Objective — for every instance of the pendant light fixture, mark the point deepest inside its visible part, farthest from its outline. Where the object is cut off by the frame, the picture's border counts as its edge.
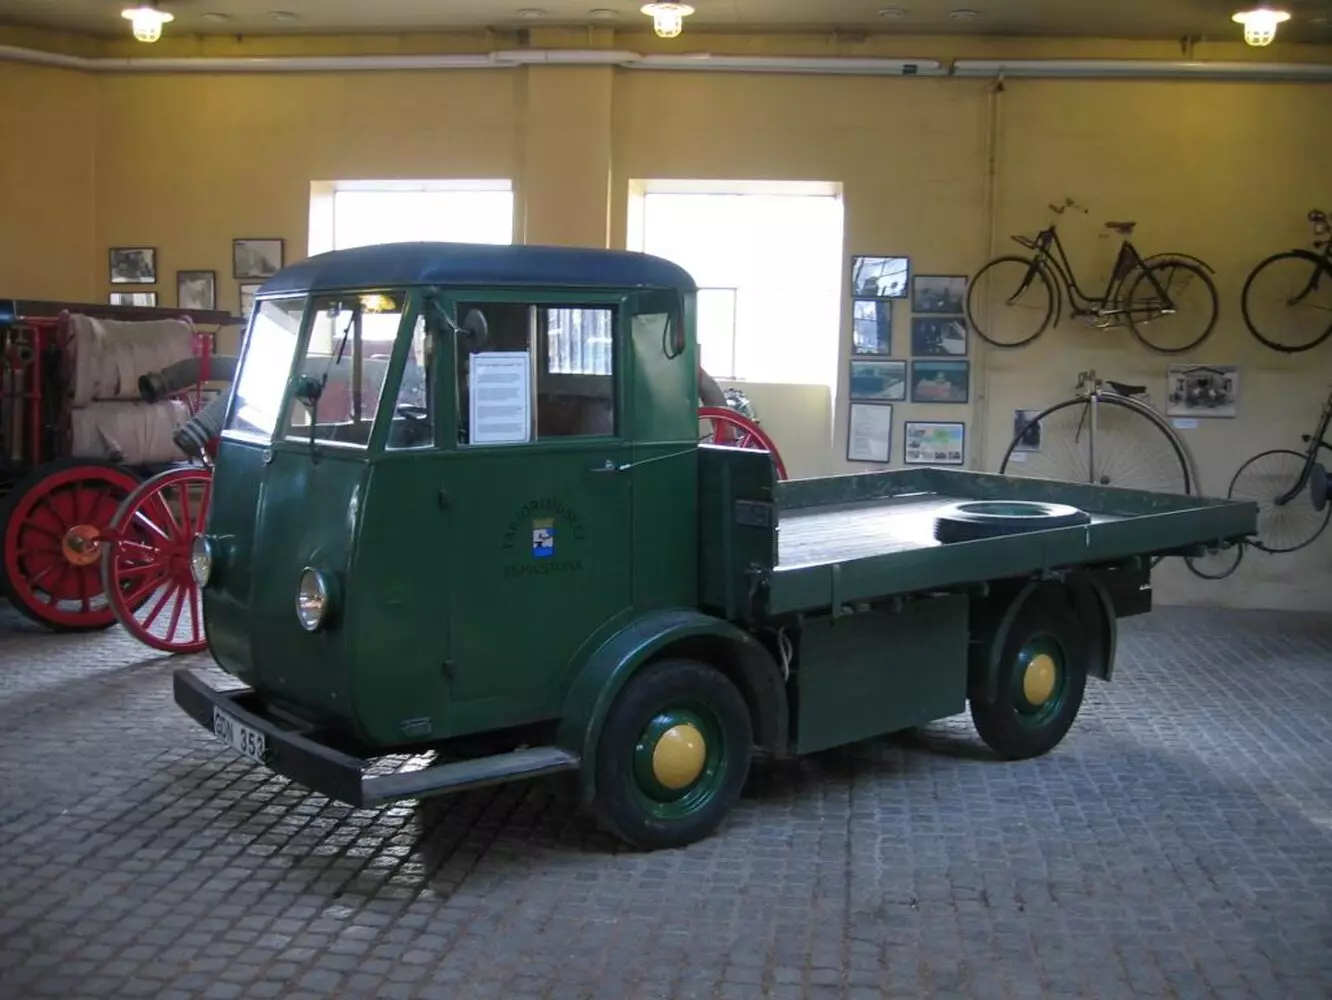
(1260, 24)
(146, 20)
(667, 18)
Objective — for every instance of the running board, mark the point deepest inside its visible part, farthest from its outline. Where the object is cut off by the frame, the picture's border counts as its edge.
(457, 776)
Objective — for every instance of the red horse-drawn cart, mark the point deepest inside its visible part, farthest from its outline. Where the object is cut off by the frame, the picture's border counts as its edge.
(105, 472)
(98, 496)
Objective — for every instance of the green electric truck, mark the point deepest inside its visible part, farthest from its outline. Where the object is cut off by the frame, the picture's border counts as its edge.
(461, 517)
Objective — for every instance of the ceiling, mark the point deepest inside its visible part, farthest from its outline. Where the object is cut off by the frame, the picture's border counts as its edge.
(1167, 19)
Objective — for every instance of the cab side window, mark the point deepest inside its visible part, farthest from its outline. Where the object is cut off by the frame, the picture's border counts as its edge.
(413, 416)
(541, 371)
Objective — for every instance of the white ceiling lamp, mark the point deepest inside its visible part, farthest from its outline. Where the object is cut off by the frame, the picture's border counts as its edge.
(1260, 24)
(667, 18)
(146, 21)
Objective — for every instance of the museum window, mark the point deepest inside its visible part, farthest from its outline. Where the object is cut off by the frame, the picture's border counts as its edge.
(767, 257)
(543, 371)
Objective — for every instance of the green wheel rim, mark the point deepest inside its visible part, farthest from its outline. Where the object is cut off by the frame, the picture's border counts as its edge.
(1040, 666)
(669, 803)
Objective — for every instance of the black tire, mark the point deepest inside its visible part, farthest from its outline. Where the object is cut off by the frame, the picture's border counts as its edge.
(1318, 486)
(1158, 269)
(972, 519)
(625, 802)
(1043, 419)
(1249, 483)
(1319, 269)
(1038, 275)
(1218, 563)
(1011, 726)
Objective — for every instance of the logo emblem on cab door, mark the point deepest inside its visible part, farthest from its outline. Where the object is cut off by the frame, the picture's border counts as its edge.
(543, 538)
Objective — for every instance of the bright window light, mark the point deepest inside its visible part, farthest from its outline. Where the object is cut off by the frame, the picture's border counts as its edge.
(368, 212)
(768, 266)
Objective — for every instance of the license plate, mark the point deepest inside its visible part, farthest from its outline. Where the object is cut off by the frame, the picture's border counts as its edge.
(238, 736)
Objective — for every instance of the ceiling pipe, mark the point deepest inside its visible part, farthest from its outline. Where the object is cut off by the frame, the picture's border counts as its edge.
(1143, 69)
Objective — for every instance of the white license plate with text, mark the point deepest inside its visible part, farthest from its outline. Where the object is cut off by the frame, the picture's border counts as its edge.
(238, 736)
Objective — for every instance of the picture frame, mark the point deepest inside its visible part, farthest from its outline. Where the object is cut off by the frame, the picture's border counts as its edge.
(1202, 390)
(875, 381)
(196, 290)
(934, 442)
(256, 257)
(939, 336)
(1028, 441)
(940, 380)
(939, 294)
(132, 265)
(869, 433)
(140, 299)
(871, 328)
(246, 294)
(880, 277)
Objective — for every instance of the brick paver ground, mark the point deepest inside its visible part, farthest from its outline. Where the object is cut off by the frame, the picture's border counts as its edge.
(1179, 844)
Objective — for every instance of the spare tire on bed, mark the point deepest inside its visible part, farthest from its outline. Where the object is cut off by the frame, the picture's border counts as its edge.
(971, 519)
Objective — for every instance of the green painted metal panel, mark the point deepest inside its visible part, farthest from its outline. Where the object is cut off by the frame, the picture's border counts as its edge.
(737, 521)
(861, 675)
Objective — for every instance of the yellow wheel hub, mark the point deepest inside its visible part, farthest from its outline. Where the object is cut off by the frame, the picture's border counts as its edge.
(1038, 683)
(678, 757)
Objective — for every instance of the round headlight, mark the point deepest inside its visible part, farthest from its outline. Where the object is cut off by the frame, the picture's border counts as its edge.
(201, 560)
(311, 599)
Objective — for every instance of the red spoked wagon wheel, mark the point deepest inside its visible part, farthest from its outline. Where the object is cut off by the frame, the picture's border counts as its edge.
(727, 427)
(54, 526)
(147, 570)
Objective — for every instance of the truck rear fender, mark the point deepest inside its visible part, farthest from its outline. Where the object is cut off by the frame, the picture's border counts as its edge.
(678, 632)
(993, 616)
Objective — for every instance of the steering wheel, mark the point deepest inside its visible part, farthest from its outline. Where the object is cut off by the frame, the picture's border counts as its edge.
(413, 412)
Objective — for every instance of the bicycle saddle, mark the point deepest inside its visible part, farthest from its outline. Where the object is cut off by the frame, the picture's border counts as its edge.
(1123, 228)
(1124, 389)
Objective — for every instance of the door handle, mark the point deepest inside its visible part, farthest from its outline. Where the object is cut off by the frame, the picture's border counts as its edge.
(608, 466)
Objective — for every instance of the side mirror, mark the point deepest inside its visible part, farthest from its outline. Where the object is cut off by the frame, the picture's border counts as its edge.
(308, 390)
(475, 326)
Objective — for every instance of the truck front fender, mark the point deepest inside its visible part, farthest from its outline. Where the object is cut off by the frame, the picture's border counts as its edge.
(675, 632)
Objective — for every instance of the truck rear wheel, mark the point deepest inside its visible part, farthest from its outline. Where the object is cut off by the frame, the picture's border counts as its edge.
(1041, 676)
(673, 755)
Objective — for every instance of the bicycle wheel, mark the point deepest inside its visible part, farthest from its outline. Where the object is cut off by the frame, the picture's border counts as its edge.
(1264, 478)
(1218, 563)
(1192, 299)
(1287, 301)
(1016, 298)
(1130, 448)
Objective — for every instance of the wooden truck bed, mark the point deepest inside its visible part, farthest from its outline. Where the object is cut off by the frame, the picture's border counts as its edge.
(770, 549)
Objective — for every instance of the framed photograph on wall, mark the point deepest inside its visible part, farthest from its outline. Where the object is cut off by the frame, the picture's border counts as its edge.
(247, 294)
(869, 435)
(943, 294)
(879, 277)
(941, 336)
(942, 381)
(1202, 390)
(133, 265)
(878, 381)
(196, 289)
(934, 442)
(256, 258)
(871, 328)
(148, 299)
(1026, 434)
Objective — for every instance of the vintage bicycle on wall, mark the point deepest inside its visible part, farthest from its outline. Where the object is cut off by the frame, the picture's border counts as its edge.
(1168, 301)
(1287, 298)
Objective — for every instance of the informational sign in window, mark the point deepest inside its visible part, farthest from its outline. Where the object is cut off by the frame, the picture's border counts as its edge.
(499, 398)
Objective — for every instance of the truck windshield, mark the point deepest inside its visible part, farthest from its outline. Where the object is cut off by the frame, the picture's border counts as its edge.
(350, 345)
(264, 369)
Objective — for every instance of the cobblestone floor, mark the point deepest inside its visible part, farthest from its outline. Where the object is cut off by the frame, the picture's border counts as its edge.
(1179, 844)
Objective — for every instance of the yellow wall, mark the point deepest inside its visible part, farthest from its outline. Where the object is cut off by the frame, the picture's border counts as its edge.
(187, 162)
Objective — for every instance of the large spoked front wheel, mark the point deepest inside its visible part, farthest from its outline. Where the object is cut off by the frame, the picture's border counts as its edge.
(1171, 305)
(1218, 562)
(723, 425)
(147, 570)
(1287, 301)
(1103, 441)
(1265, 479)
(1011, 301)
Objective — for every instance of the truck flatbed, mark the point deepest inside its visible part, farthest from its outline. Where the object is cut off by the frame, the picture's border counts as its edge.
(812, 544)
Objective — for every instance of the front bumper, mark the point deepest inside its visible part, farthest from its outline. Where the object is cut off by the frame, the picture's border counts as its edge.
(342, 777)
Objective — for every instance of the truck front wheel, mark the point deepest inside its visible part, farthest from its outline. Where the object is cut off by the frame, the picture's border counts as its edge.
(1040, 679)
(673, 755)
